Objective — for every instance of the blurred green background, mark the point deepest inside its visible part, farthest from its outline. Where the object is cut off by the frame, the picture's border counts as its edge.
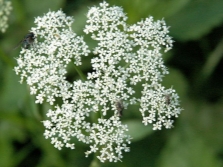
(196, 72)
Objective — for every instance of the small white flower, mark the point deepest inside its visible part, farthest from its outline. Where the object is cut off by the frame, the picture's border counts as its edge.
(47, 124)
(157, 126)
(39, 98)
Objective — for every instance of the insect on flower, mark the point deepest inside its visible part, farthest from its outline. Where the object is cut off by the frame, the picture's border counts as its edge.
(27, 41)
(120, 107)
(168, 98)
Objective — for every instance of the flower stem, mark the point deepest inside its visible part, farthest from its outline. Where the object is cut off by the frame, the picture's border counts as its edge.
(80, 73)
(95, 162)
(212, 61)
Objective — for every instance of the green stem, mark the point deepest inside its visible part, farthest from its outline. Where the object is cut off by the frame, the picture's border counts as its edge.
(33, 107)
(80, 73)
(95, 162)
(212, 61)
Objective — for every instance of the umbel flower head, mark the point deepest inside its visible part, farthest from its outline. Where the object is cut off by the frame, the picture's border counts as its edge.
(128, 69)
(5, 9)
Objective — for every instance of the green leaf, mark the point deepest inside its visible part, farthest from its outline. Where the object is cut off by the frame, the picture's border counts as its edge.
(186, 148)
(136, 10)
(35, 8)
(6, 151)
(176, 80)
(13, 93)
(196, 19)
(137, 130)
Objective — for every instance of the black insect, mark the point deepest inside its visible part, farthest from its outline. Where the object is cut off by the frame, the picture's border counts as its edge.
(119, 107)
(27, 41)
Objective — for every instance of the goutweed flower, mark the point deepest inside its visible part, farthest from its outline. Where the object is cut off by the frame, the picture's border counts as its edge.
(5, 9)
(127, 70)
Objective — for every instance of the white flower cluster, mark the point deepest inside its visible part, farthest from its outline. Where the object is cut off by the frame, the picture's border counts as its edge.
(5, 9)
(43, 66)
(127, 59)
(129, 56)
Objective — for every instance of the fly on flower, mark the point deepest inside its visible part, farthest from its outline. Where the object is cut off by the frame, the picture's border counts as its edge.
(119, 107)
(27, 41)
(168, 99)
